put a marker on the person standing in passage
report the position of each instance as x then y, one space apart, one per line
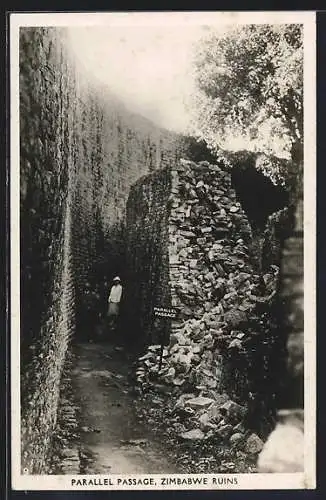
114 303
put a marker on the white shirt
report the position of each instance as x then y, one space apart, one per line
115 294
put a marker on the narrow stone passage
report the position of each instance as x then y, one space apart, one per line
113 440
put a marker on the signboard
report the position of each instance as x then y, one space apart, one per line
165 312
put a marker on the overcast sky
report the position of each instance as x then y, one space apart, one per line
149 67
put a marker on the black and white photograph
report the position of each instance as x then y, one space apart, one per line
162 187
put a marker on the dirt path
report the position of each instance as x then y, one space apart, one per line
112 438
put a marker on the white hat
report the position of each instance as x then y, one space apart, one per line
116 278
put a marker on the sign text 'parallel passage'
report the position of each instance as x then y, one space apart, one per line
165 312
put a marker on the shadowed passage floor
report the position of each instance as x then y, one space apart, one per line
113 439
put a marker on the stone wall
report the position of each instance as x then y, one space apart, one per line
80 152
47 291
292 296
147 263
225 338
284 448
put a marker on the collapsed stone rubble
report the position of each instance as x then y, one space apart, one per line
216 287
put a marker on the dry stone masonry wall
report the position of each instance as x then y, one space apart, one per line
223 343
147 262
284 448
292 293
47 289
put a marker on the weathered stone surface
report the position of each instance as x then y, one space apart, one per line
224 431
200 402
193 435
183 399
233 411
69 453
254 444
220 399
204 422
237 437
235 318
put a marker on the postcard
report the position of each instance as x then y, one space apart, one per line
162 194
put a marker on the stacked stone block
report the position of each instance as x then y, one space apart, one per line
222 339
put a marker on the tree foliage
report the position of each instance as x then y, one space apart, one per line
250 87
